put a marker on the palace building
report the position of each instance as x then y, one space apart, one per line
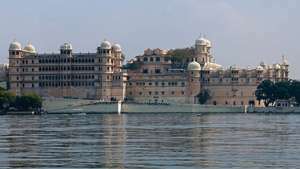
96 75
161 76
156 76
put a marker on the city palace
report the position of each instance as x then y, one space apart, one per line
156 76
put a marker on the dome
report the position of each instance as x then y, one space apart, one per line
15 46
212 66
208 43
203 41
156 51
148 52
277 66
117 48
234 68
164 52
66 46
194 66
29 48
259 68
106 45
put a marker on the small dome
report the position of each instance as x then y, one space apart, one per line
211 66
106 45
277 66
148 52
117 48
208 43
164 52
156 51
15 46
259 68
29 48
194 66
66 46
234 67
203 41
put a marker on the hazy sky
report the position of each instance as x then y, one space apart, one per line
242 32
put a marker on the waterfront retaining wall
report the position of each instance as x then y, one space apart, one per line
179 108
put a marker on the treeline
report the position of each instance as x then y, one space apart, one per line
268 91
179 55
21 103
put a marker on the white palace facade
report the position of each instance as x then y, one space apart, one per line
153 77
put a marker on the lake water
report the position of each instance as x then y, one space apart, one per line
150 141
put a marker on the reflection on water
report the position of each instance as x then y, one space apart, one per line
150 141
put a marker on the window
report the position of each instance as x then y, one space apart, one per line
145 71
150 93
172 92
151 59
157 59
157 71
162 93
145 59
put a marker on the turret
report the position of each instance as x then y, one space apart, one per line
15 50
118 57
105 48
193 70
202 50
285 68
66 49
29 49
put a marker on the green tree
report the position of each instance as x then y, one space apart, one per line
178 55
6 99
265 92
133 66
295 90
282 90
203 96
28 102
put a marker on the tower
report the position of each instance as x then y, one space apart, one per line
15 63
202 51
104 52
66 49
118 57
285 68
193 71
